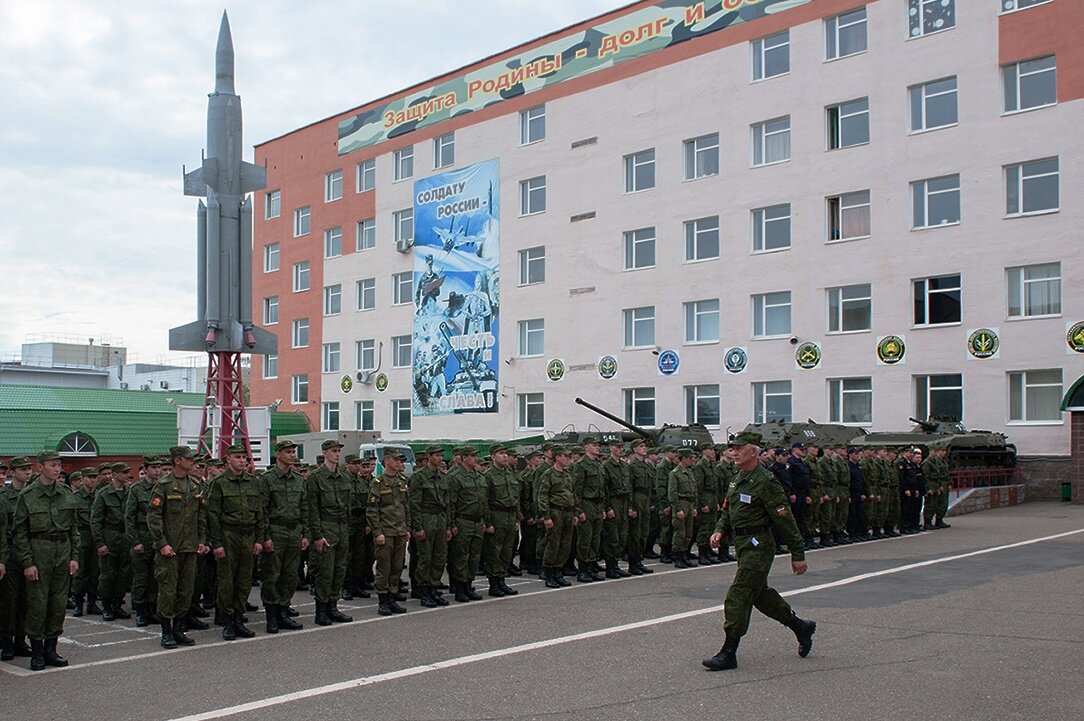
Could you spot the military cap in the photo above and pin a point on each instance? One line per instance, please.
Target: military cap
(48, 456)
(329, 444)
(435, 450)
(353, 458)
(497, 448)
(512, 452)
(150, 460)
(320, 460)
(468, 451)
(852, 449)
(4, 465)
(75, 476)
(161, 460)
(588, 439)
(202, 458)
(686, 453)
(780, 449)
(105, 467)
(421, 454)
(616, 441)
(181, 452)
(547, 446)
(560, 450)
(744, 438)
(798, 445)
(24, 462)
(236, 448)
(533, 454)
(121, 468)
(91, 471)
(637, 442)
(284, 445)
(393, 453)
(578, 449)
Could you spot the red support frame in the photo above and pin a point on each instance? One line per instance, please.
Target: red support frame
(225, 388)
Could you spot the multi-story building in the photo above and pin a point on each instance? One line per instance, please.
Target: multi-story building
(852, 212)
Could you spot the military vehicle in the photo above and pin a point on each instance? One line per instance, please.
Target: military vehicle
(786, 433)
(966, 449)
(690, 436)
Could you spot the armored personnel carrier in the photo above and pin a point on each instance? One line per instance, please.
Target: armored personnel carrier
(785, 434)
(966, 449)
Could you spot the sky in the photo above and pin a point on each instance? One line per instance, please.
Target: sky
(104, 102)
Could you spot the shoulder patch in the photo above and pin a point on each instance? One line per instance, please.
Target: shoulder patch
(782, 511)
(156, 501)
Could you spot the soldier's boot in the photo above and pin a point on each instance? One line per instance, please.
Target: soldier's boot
(358, 588)
(290, 611)
(22, 650)
(240, 628)
(152, 615)
(704, 559)
(118, 609)
(107, 610)
(724, 555)
(80, 601)
(347, 593)
(197, 611)
(551, 578)
(436, 595)
(141, 615)
(228, 631)
(495, 589)
(7, 648)
(611, 569)
(650, 552)
(642, 568)
(167, 634)
(543, 573)
(927, 526)
(71, 603)
(727, 658)
(395, 607)
(508, 590)
(584, 576)
(560, 578)
(471, 593)
(93, 609)
(679, 559)
(220, 619)
(460, 592)
(428, 599)
(322, 619)
(514, 570)
(803, 631)
(52, 658)
(383, 607)
(37, 655)
(415, 592)
(620, 571)
(664, 554)
(941, 523)
(194, 624)
(338, 616)
(286, 622)
(271, 618)
(251, 606)
(594, 571)
(634, 567)
(178, 632)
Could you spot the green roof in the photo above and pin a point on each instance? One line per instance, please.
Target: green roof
(122, 423)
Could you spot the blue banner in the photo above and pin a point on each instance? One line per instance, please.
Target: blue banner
(457, 291)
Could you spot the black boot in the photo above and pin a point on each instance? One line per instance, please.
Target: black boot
(93, 609)
(634, 567)
(21, 649)
(271, 616)
(436, 595)
(507, 590)
(141, 615)
(290, 611)
(382, 606)
(642, 568)
(704, 559)
(118, 609)
(611, 569)
(251, 607)
(286, 622)
(37, 654)
(471, 593)
(167, 634)
(336, 615)
(664, 554)
(941, 524)
(107, 610)
(240, 628)
(395, 607)
(429, 600)
(197, 611)
(584, 576)
(551, 577)
(495, 589)
(79, 603)
(150, 612)
(460, 592)
(7, 643)
(803, 631)
(194, 624)
(52, 658)
(178, 633)
(727, 658)
(229, 633)
(322, 619)
(679, 559)
(347, 593)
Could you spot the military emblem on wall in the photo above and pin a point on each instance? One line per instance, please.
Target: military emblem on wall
(735, 360)
(807, 355)
(607, 367)
(891, 350)
(669, 361)
(1074, 337)
(382, 382)
(555, 369)
(347, 384)
(983, 343)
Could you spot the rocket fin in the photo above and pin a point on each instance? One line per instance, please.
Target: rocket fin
(189, 337)
(194, 183)
(266, 343)
(253, 177)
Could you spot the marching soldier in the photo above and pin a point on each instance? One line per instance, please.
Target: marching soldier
(502, 500)
(108, 531)
(138, 536)
(286, 511)
(13, 582)
(388, 516)
(329, 522)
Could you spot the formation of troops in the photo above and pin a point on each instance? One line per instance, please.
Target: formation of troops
(182, 534)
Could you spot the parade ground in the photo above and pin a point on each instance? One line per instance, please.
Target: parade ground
(982, 620)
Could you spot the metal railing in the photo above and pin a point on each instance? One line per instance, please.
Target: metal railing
(963, 479)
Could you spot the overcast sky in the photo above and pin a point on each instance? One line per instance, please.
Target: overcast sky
(105, 101)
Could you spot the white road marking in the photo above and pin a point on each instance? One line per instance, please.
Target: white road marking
(548, 643)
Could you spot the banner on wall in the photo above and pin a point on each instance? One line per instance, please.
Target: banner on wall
(456, 291)
(631, 36)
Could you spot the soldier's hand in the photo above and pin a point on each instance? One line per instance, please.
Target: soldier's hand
(609, 514)
(304, 544)
(31, 573)
(799, 567)
(716, 540)
(257, 549)
(73, 568)
(103, 550)
(321, 544)
(863, 498)
(420, 535)
(666, 512)
(447, 536)
(575, 522)
(167, 551)
(707, 509)
(632, 513)
(138, 548)
(379, 540)
(220, 553)
(3, 569)
(490, 530)
(808, 501)
(681, 515)
(268, 546)
(548, 523)
(793, 499)
(907, 493)
(825, 498)
(583, 516)
(530, 521)
(454, 531)
(694, 513)
(201, 550)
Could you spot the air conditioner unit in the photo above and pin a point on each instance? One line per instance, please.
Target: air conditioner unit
(164, 385)
(365, 377)
(124, 385)
(403, 246)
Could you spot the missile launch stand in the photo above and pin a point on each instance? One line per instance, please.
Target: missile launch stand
(225, 390)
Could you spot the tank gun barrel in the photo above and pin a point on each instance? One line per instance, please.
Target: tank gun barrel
(927, 426)
(646, 435)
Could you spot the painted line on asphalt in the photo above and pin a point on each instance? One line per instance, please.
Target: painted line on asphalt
(563, 640)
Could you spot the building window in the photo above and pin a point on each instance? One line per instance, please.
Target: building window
(771, 141)
(771, 314)
(365, 354)
(271, 310)
(639, 327)
(850, 401)
(532, 335)
(272, 204)
(331, 357)
(1032, 187)
(302, 219)
(640, 407)
(1035, 396)
(403, 222)
(938, 300)
(329, 416)
(640, 249)
(532, 196)
(444, 150)
(1008, 6)
(400, 415)
(702, 321)
(936, 202)
(400, 351)
(366, 234)
(531, 411)
(300, 333)
(301, 276)
(532, 125)
(702, 405)
(366, 294)
(333, 186)
(640, 171)
(333, 242)
(532, 265)
(364, 416)
(771, 56)
(850, 308)
(930, 16)
(270, 258)
(848, 124)
(849, 216)
(299, 389)
(1030, 84)
(1035, 290)
(934, 105)
(939, 396)
(402, 288)
(702, 238)
(772, 402)
(270, 366)
(845, 34)
(702, 156)
(333, 299)
(403, 162)
(771, 228)
(366, 175)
